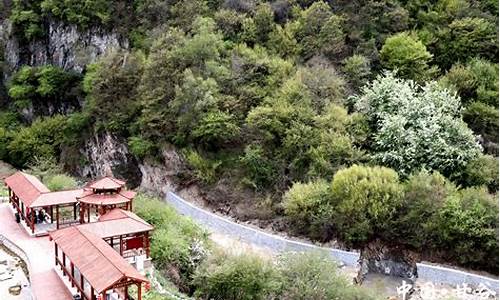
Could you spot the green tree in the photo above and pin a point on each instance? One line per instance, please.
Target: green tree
(365, 201)
(407, 56)
(319, 31)
(466, 38)
(416, 127)
(357, 69)
(111, 85)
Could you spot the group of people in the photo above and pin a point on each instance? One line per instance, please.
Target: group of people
(41, 216)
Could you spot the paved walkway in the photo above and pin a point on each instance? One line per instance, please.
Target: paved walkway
(45, 282)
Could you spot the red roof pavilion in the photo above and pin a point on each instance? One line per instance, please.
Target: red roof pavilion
(27, 187)
(106, 183)
(102, 267)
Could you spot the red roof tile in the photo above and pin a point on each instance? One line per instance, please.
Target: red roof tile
(26, 187)
(100, 264)
(118, 213)
(117, 222)
(56, 198)
(106, 183)
(106, 199)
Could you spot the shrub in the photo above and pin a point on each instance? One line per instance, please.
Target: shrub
(482, 171)
(43, 139)
(243, 277)
(216, 128)
(260, 169)
(311, 275)
(407, 55)
(204, 169)
(357, 69)
(140, 147)
(309, 209)
(483, 120)
(424, 195)
(178, 244)
(467, 229)
(60, 182)
(365, 202)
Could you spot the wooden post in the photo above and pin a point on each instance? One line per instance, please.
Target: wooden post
(74, 211)
(82, 285)
(88, 213)
(55, 251)
(64, 260)
(92, 293)
(121, 245)
(51, 214)
(57, 216)
(126, 292)
(139, 291)
(146, 236)
(72, 274)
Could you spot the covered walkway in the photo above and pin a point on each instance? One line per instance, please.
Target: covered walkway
(93, 267)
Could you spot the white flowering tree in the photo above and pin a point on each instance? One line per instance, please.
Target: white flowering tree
(416, 126)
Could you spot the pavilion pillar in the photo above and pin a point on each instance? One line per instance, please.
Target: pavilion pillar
(56, 252)
(126, 293)
(121, 245)
(72, 274)
(146, 237)
(88, 213)
(130, 205)
(82, 212)
(57, 216)
(82, 286)
(64, 260)
(74, 211)
(139, 291)
(51, 214)
(92, 293)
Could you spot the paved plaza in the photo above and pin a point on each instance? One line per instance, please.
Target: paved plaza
(46, 284)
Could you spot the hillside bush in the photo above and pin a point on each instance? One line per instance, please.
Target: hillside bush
(365, 201)
(312, 275)
(60, 182)
(178, 244)
(466, 228)
(309, 209)
(242, 277)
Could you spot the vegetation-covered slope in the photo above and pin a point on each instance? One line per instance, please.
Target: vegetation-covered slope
(356, 120)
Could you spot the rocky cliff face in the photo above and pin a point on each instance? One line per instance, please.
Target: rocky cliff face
(106, 154)
(64, 46)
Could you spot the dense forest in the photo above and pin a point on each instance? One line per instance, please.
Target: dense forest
(353, 121)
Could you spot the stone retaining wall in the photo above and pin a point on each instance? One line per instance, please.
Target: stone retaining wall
(20, 253)
(435, 274)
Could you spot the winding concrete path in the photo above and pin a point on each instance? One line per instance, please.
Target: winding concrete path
(45, 282)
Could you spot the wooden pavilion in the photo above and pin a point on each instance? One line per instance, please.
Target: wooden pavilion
(124, 231)
(92, 266)
(33, 201)
(31, 198)
(103, 195)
